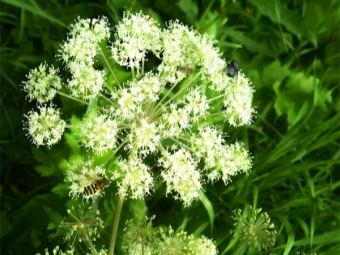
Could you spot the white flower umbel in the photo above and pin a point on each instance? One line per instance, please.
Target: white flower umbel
(82, 44)
(181, 175)
(135, 36)
(229, 161)
(137, 181)
(43, 83)
(46, 127)
(82, 174)
(237, 101)
(180, 47)
(145, 136)
(166, 111)
(99, 133)
(202, 246)
(86, 82)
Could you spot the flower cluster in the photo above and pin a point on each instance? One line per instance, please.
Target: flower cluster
(57, 251)
(141, 238)
(163, 112)
(43, 83)
(254, 228)
(46, 127)
(85, 175)
(82, 225)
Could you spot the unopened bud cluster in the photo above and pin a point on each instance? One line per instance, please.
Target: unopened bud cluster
(254, 228)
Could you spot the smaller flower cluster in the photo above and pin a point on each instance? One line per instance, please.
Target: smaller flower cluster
(43, 83)
(254, 228)
(57, 251)
(137, 179)
(142, 236)
(82, 44)
(46, 127)
(182, 243)
(135, 36)
(82, 174)
(79, 51)
(100, 132)
(83, 224)
(181, 175)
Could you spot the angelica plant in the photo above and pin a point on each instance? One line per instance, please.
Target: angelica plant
(165, 111)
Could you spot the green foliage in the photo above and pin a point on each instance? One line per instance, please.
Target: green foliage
(289, 50)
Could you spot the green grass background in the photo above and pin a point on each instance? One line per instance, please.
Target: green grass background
(290, 51)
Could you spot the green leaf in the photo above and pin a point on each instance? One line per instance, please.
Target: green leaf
(208, 207)
(300, 82)
(5, 226)
(45, 170)
(54, 216)
(62, 189)
(290, 19)
(274, 72)
(40, 155)
(248, 43)
(35, 10)
(190, 9)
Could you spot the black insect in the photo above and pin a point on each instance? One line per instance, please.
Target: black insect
(184, 69)
(232, 69)
(95, 187)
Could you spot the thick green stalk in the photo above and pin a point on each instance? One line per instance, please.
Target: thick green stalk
(115, 225)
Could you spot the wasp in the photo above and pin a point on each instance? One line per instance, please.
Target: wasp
(95, 187)
(232, 69)
(184, 69)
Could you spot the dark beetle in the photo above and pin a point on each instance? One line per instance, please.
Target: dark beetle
(232, 68)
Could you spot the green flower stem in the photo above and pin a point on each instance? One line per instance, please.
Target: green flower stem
(215, 98)
(107, 99)
(88, 241)
(157, 111)
(143, 66)
(111, 71)
(115, 225)
(214, 114)
(78, 100)
(114, 153)
(117, 215)
(142, 248)
(109, 88)
(184, 87)
(239, 249)
(133, 73)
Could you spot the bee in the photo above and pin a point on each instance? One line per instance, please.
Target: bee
(232, 69)
(95, 187)
(184, 69)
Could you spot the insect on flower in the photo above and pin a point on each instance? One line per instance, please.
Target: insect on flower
(96, 187)
(232, 69)
(141, 77)
(184, 69)
(148, 17)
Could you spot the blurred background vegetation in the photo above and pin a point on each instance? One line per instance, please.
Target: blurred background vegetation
(290, 51)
